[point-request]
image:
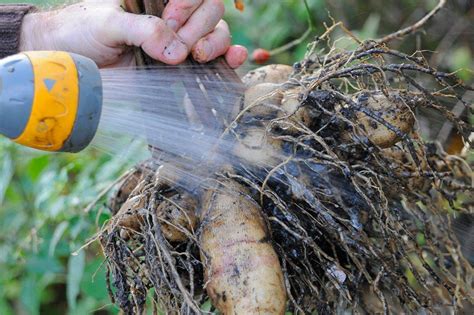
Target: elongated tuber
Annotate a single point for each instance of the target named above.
(242, 269)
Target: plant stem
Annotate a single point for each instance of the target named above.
(302, 38)
(412, 28)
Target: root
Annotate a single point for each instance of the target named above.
(355, 204)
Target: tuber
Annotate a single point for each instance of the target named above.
(241, 267)
(176, 212)
(391, 108)
(125, 188)
(268, 74)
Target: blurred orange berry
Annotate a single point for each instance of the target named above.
(239, 5)
(260, 56)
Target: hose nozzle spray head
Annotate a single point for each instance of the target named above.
(50, 100)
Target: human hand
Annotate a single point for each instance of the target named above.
(102, 31)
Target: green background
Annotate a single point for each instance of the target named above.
(43, 196)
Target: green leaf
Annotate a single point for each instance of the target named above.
(29, 295)
(43, 264)
(58, 233)
(371, 27)
(461, 59)
(6, 174)
(37, 165)
(75, 272)
(206, 306)
(93, 282)
(5, 309)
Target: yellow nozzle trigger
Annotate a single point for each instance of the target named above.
(55, 102)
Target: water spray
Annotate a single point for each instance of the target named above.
(61, 102)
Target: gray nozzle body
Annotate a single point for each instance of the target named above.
(16, 94)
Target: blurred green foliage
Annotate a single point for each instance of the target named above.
(43, 196)
(42, 221)
(270, 24)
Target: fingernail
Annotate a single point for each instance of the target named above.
(173, 24)
(176, 50)
(203, 51)
(208, 49)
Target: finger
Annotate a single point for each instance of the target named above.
(202, 22)
(177, 12)
(213, 45)
(127, 60)
(149, 33)
(236, 56)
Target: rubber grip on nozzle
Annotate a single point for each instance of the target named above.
(89, 105)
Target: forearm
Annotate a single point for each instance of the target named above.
(11, 21)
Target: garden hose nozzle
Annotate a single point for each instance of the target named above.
(50, 100)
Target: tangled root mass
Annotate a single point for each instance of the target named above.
(356, 206)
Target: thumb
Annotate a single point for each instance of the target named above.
(151, 34)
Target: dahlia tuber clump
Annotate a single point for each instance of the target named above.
(331, 200)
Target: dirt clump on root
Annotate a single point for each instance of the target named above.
(332, 202)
